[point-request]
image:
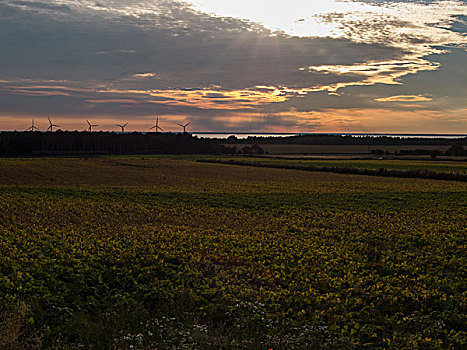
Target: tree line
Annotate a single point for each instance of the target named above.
(346, 140)
(105, 143)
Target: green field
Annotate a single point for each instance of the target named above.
(296, 149)
(436, 166)
(167, 253)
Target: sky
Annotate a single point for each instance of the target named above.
(389, 66)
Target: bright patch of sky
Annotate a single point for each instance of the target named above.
(294, 17)
(374, 21)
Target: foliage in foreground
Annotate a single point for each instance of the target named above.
(256, 268)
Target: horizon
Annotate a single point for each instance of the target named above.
(253, 133)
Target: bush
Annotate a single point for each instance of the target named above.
(456, 150)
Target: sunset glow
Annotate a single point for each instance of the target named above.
(224, 65)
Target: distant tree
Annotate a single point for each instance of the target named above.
(232, 139)
(254, 149)
(456, 150)
(246, 150)
(257, 149)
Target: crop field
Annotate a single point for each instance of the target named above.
(170, 253)
(392, 164)
(338, 149)
(439, 166)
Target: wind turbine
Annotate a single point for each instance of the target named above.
(32, 128)
(51, 125)
(90, 125)
(184, 127)
(157, 127)
(122, 126)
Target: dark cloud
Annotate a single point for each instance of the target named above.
(184, 48)
(37, 5)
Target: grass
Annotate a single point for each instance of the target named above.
(436, 166)
(423, 170)
(291, 149)
(170, 253)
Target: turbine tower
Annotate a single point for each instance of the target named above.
(123, 127)
(51, 125)
(157, 127)
(90, 125)
(184, 126)
(32, 128)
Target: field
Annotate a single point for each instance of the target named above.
(170, 253)
(393, 164)
(285, 149)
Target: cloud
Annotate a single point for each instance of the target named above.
(376, 72)
(114, 101)
(379, 120)
(416, 26)
(206, 98)
(188, 49)
(404, 98)
(41, 6)
(144, 75)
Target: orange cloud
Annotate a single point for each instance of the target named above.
(404, 98)
(214, 99)
(103, 101)
(382, 72)
(27, 91)
(39, 88)
(350, 120)
(395, 121)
